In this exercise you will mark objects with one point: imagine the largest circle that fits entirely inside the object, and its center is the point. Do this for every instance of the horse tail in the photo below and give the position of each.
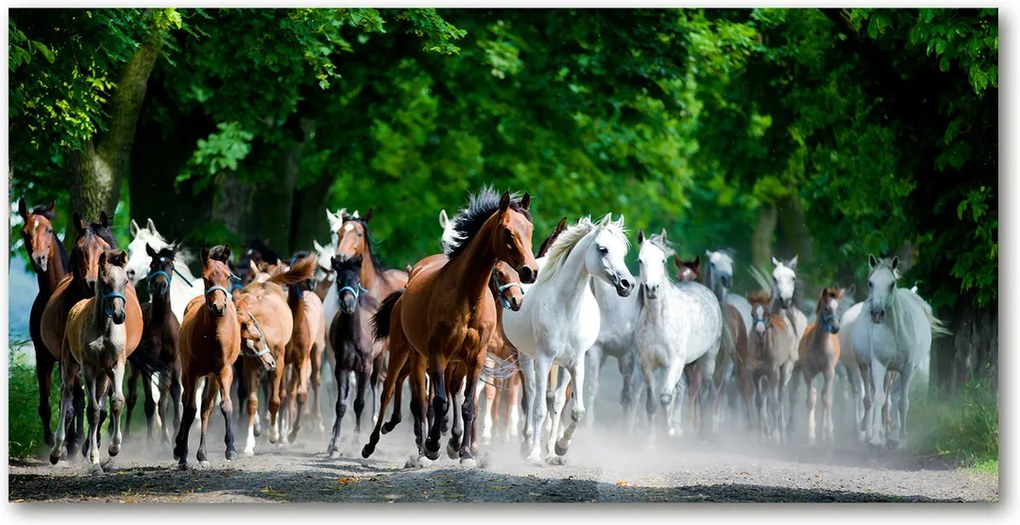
(938, 327)
(302, 270)
(381, 319)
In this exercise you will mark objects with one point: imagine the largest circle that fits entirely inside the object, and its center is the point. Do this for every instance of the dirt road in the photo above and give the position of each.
(597, 470)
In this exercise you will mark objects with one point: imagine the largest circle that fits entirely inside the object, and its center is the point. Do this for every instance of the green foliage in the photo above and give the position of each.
(965, 429)
(24, 430)
(218, 153)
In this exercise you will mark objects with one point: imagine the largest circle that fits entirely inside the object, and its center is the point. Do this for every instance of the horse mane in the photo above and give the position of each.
(264, 250)
(563, 245)
(380, 268)
(91, 229)
(759, 296)
(663, 244)
(42, 209)
(469, 221)
(302, 270)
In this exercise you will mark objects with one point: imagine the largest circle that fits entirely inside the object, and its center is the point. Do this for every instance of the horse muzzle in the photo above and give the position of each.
(348, 304)
(40, 262)
(833, 330)
(527, 274)
(877, 316)
(268, 362)
(624, 287)
(118, 317)
(727, 281)
(651, 292)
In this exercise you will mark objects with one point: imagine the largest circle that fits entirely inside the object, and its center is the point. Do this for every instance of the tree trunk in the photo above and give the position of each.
(972, 352)
(793, 225)
(761, 241)
(97, 171)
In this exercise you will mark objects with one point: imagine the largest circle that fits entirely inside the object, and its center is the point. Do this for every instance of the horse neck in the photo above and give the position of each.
(472, 269)
(55, 269)
(572, 277)
(295, 299)
(371, 275)
(160, 309)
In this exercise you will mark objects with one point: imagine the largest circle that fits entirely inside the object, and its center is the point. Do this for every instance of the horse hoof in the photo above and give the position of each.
(334, 454)
(249, 453)
(414, 462)
(892, 444)
(110, 467)
(556, 460)
(468, 463)
(292, 438)
(535, 461)
(432, 454)
(257, 431)
(48, 439)
(204, 463)
(114, 449)
(231, 455)
(453, 449)
(182, 466)
(367, 450)
(54, 459)
(97, 469)
(561, 448)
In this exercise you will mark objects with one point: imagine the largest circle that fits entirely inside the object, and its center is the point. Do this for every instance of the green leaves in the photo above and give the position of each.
(221, 151)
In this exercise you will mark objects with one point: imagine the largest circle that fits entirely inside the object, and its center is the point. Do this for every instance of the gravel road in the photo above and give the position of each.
(597, 469)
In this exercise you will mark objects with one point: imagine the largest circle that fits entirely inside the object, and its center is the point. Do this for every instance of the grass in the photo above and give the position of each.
(965, 429)
(25, 437)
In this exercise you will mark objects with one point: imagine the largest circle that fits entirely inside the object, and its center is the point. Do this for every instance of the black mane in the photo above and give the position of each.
(42, 210)
(91, 229)
(267, 253)
(480, 207)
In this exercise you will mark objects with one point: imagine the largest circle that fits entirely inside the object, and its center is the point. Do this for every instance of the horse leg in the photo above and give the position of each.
(876, 432)
(396, 415)
(275, 399)
(175, 394)
(132, 396)
(785, 400)
(468, 405)
(556, 413)
(77, 430)
(343, 383)
(181, 446)
(629, 393)
(421, 383)
(577, 370)
(226, 378)
(537, 407)
(242, 387)
(868, 402)
(252, 381)
(508, 407)
(665, 395)
(827, 429)
(315, 380)
(163, 405)
(151, 421)
(593, 362)
(359, 397)
(44, 362)
(489, 394)
(651, 401)
(902, 387)
(208, 396)
(117, 406)
(747, 393)
(398, 357)
(527, 403)
(95, 384)
(377, 369)
(299, 392)
(810, 402)
(454, 386)
(68, 371)
(437, 363)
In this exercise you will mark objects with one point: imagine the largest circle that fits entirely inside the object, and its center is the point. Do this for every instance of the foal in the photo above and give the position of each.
(95, 341)
(819, 353)
(769, 362)
(159, 344)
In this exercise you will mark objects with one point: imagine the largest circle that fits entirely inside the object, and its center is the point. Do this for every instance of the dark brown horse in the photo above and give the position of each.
(93, 239)
(158, 345)
(447, 312)
(213, 333)
(355, 240)
(50, 262)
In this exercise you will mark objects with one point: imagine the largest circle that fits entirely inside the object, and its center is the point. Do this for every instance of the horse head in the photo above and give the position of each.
(721, 269)
(881, 285)
(216, 275)
(38, 233)
(605, 258)
(784, 280)
(253, 339)
(760, 312)
(512, 238)
(138, 260)
(111, 284)
(93, 239)
(161, 269)
(506, 286)
(652, 256)
(688, 270)
(827, 310)
(348, 282)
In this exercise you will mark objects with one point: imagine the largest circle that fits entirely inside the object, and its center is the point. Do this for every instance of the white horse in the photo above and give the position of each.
(677, 324)
(559, 321)
(616, 338)
(182, 286)
(892, 331)
(719, 277)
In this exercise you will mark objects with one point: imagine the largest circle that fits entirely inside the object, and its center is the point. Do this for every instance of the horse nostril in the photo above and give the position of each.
(625, 283)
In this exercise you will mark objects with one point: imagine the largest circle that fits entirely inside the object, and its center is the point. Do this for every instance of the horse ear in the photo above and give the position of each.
(104, 219)
(605, 219)
(79, 223)
(134, 228)
(253, 266)
(23, 209)
(118, 258)
(852, 291)
(895, 261)
(793, 263)
(102, 260)
(226, 253)
(708, 253)
(679, 264)
(315, 244)
(443, 219)
(526, 201)
(504, 201)
(150, 251)
(52, 207)
(332, 262)
(641, 236)
(872, 261)
(562, 225)
(697, 262)
(775, 262)
(151, 226)
(368, 216)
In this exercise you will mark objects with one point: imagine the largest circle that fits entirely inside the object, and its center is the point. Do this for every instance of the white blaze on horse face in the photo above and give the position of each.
(348, 227)
(759, 314)
(882, 282)
(138, 261)
(785, 281)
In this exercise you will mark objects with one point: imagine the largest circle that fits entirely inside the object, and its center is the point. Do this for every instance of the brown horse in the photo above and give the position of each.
(819, 353)
(303, 359)
(50, 262)
(159, 345)
(769, 363)
(447, 312)
(213, 333)
(95, 344)
(93, 239)
(264, 305)
(355, 240)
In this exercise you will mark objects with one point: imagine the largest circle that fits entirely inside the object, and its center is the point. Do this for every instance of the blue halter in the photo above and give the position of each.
(826, 319)
(764, 321)
(356, 291)
(502, 288)
(108, 306)
(183, 277)
(212, 289)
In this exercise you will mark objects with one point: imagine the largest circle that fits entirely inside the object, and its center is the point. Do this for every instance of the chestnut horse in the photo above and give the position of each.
(159, 345)
(819, 353)
(265, 306)
(50, 262)
(769, 362)
(95, 343)
(303, 359)
(355, 240)
(447, 313)
(213, 333)
(93, 239)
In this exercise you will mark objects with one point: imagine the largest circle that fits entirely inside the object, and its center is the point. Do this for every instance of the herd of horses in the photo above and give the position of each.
(467, 327)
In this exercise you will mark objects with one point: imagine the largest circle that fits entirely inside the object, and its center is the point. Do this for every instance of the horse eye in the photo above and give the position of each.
(603, 250)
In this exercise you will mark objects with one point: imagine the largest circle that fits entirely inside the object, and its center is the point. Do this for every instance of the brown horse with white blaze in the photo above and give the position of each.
(354, 240)
(447, 313)
(819, 353)
(50, 262)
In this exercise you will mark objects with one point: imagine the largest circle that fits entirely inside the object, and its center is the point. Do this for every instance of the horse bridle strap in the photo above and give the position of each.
(153, 275)
(111, 295)
(262, 337)
(211, 289)
(357, 292)
(764, 321)
(826, 318)
(500, 288)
